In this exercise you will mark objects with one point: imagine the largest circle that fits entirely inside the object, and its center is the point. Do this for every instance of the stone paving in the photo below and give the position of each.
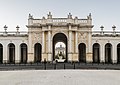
(60, 77)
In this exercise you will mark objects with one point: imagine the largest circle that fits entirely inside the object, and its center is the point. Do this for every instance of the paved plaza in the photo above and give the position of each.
(60, 77)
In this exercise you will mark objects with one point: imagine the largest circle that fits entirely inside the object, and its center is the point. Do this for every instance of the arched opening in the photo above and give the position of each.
(23, 48)
(118, 53)
(96, 53)
(60, 44)
(1, 53)
(11, 47)
(108, 53)
(37, 52)
(82, 52)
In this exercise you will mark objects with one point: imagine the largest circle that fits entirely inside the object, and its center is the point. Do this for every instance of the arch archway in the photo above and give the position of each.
(82, 52)
(11, 48)
(60, 37)
(108, 53)
(23, 48)
(37, 52)
(1, 53)
(118, 53)
(96, 53)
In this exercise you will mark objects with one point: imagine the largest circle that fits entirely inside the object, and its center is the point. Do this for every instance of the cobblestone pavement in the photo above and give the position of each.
(60, 77)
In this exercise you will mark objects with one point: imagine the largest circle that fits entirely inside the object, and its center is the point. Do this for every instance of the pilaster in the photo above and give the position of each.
(17, 53)
(76, 42)
(43, 42)
(114, 54)
(30, 47)
(49, 44)
(70, 57)
(89, 53)
(5, 54)
(102, 53)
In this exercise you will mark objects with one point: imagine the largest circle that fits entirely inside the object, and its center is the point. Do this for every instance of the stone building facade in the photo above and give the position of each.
(38, 44)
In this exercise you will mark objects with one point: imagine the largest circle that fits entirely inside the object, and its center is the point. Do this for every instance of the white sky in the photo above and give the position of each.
(15, 12)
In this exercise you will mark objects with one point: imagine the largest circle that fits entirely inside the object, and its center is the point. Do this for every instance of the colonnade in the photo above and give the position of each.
(101, 53)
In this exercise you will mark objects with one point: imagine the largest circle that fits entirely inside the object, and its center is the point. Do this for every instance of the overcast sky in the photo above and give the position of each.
(15, 12)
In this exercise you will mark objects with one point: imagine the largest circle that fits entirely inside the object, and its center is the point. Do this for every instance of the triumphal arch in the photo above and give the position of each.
(74, 33)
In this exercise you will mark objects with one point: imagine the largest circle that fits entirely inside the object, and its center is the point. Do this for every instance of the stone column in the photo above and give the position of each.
(49, 38)
(70, 38)
(75, 55)
(89, 53)
(5, 54)
(89, 43)
(70, 58)
(43, 46)
(102, 53)
(30, 47)
(114, 53)
(43, 42)
(49, 44)
(17, 53)
(76, 42)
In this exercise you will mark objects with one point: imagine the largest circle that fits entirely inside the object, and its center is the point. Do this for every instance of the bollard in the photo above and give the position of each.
(30, 63)
(54, 63)
(64, 65)
(74, 65)
(25, 63)
(98, 63)
(37, 62)
(14, 63)
(5, 63)
(54, 66)
(45, 64)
